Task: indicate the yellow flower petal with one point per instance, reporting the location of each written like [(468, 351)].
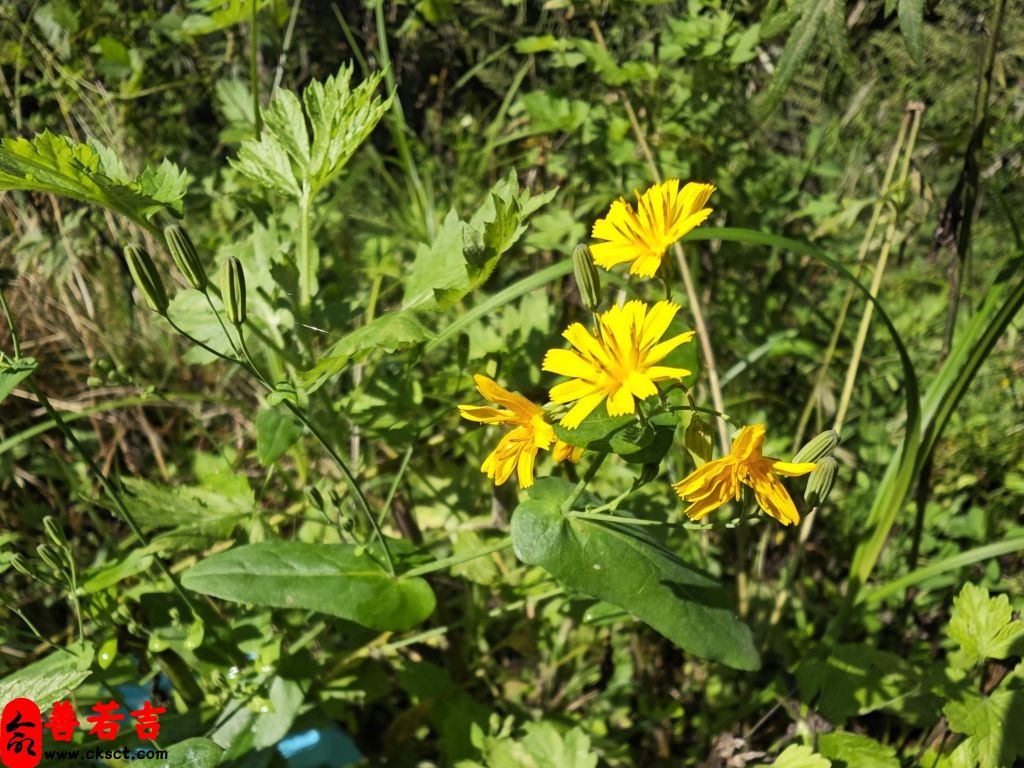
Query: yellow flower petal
[(663, 214)]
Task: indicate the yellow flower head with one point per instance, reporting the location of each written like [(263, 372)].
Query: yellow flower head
[(716, 482), (518, 448), (619, 362), (663, 215)]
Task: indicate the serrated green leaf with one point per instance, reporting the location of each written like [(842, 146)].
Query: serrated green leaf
[(297, 159), (61, 166), (983, 627), (337, 579), (798, 47), (853, 750), (13, 372), (276, 432), (992, 724), (799, 756), (543, 745), (464, 254), (621, 565), (51, 678)]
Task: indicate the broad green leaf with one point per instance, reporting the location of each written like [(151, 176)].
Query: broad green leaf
[(388, 333), (992, 725), (196, 752), (799, 756), (911, 16), (187, 508), (276, 432), (621, 565), (852, 750), (244, 728), (59, 165), (13, 372), (336, 579), (51, 678), (983, 627)]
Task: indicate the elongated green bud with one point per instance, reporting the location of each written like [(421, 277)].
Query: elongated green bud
[(54, 532), (819, 484), (146, 277), (232, 286), (20, 564), (818, 447), (587, 279), (51, 556), (183, 251)]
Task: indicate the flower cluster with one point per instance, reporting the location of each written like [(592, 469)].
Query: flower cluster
[(618, 363)]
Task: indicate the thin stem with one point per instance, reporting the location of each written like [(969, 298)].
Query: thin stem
[(10, 324), (386, 508), (876, 283), (353, 484), (703, 335), (584, 482), (306, 268), (254, 76), (112, 492), (465, 557), (614, 518), (285, 46)]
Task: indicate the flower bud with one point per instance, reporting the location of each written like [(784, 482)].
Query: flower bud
[(146, 277), (20, 564), (232, 286), (820, 483), (183, 251), (818, 447), (51, 556), (587, 279), (54, 532)]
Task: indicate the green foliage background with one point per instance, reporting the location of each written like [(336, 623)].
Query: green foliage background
[(381, 284)]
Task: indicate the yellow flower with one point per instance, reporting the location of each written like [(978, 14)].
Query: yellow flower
[(663, 215), (518, 448), (618, 363), (716, 482)]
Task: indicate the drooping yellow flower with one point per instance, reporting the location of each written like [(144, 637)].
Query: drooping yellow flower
[(719, 481), (517, 449), (662, 216), (618, 363)]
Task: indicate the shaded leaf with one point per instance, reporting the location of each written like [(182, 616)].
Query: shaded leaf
[(13, 372), (623, 566), (276, 432), (911, 16)]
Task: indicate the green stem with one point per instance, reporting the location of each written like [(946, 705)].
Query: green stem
[(10, 325), (112, 492), (353, 484), (254, 76), (448, 562), (613, 518), (306, 268), (584, 482)]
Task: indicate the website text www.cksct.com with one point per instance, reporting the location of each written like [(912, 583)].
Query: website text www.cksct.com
[(100, 753)]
